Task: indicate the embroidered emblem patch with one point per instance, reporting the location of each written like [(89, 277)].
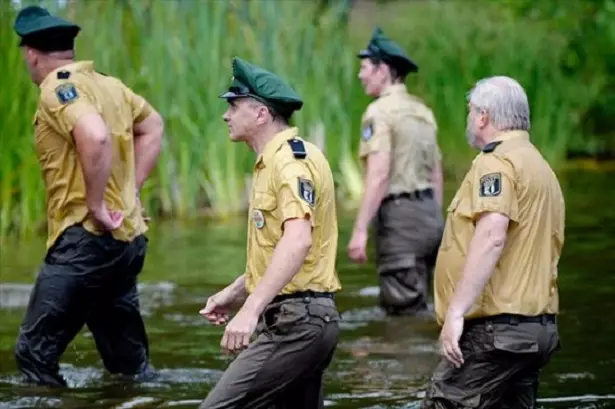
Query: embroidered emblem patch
[(259, 218), (367, 131), (66, 93), (491, 185), (306, 191)]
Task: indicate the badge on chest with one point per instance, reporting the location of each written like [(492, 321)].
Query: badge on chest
[(259, 218)]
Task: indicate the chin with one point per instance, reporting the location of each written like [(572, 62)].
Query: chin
[(234, 138)]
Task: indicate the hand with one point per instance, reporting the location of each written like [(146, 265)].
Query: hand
[(449, 339), (107, 220), (238, 332), (357, 246), (218, 307)]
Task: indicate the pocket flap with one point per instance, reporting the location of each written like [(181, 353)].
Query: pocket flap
[(264, 201), (518, 339)]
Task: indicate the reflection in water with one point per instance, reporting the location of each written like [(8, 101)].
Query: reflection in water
[(381, 362)]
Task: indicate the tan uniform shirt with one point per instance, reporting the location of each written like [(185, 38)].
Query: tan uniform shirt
[(286, 187), (516, 181), (66, 95), (401, 124)]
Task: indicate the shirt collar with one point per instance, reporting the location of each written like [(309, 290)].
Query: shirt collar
[(274, 145), (509, 135), (79, 66), (393, 89)]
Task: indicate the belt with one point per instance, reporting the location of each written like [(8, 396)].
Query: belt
[(302, 294), (414, 195), (513, 319)]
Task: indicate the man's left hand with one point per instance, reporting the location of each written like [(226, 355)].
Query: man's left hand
[(239, 330), (357, 247), (449, 339)]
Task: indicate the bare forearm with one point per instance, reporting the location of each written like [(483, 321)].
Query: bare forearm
[(95, 160), (287, 259), (375, 189), (238, 287), (147, 150), (483, 255)]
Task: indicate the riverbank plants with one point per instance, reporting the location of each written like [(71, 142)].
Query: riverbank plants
[(178, 53)]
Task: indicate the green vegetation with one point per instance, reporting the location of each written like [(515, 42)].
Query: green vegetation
[(177, 54)]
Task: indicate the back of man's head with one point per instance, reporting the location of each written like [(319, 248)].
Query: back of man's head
[(505, 102)]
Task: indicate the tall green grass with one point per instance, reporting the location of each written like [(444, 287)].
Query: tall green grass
[(177, 53)]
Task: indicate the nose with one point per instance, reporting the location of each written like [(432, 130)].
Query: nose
[(225, 117)]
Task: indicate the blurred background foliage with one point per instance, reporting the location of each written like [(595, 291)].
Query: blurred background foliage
[(177, 54)]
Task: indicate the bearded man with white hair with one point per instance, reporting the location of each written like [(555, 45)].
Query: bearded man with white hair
[(495, 281)]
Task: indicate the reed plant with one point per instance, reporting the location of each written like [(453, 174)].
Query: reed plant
[(177, 53)]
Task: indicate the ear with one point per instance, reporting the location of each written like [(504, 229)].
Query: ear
[(262, 114), (483, 119), (32, 55)]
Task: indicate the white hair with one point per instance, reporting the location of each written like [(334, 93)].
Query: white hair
[(505, 102)]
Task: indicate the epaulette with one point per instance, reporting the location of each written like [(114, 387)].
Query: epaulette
[(490, 147), (63, 75), (298, 148)]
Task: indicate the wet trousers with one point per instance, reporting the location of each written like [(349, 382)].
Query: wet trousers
[(408, 233), (85, 279), (503, 358), (283, 367)]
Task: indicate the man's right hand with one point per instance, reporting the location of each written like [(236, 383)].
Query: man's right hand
[(107, 220), (218, 307)]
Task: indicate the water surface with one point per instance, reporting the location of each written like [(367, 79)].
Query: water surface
[(380, 362)]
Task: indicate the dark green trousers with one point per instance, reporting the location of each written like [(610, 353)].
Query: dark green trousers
[(284, 366), (502, 364), (408, 233)]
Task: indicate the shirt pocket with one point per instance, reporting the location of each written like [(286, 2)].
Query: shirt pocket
[(265, 220)]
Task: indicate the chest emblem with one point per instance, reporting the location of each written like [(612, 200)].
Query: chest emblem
[(259, 218)]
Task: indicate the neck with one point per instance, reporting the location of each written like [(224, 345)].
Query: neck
[(386, 85), (260, 139), (53, 65)]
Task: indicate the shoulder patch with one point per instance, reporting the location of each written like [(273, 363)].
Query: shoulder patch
[(490, 147), (368, 130), (298, 148), (307, 191), (66, 93), (490, 185), (63, 75)]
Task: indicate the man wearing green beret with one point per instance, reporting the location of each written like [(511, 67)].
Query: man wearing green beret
[(403, 182), (290, 279), (97, 142)]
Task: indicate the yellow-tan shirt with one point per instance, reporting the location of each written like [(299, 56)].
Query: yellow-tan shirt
[(403, 125), (66, 95), (286, 187), (514, 180)]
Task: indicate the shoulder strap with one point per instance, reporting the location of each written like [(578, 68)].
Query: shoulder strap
[(298, 148)]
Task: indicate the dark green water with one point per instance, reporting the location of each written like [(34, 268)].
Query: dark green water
[(380, 363)]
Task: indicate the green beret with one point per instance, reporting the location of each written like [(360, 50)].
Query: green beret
[(250, 80), (39, 29), (383, 48)]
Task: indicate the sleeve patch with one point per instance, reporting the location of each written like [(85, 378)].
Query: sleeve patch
[(66, 93), (491, 185), (368, 130), (306, 191)]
